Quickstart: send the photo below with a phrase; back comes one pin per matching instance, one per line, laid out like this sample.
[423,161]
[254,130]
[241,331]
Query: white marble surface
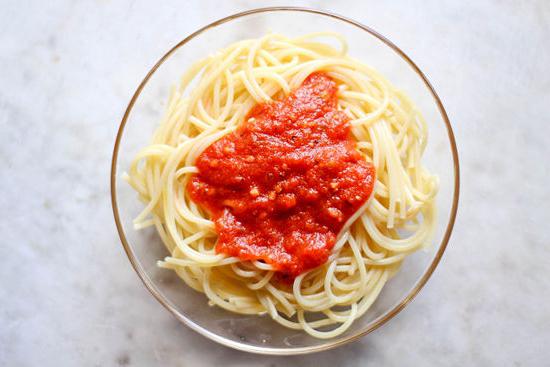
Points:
[68,296]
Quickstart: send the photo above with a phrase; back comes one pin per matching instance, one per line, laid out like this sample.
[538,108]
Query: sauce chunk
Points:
[281,187]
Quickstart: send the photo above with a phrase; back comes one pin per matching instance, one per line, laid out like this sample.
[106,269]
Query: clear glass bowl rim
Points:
[330,343]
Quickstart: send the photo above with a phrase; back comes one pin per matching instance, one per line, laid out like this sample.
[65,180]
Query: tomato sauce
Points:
[281,187]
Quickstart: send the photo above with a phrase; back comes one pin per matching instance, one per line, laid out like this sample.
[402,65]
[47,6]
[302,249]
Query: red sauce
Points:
[281,187]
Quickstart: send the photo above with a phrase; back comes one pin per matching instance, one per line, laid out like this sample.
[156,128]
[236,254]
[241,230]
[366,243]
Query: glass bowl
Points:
[260,334]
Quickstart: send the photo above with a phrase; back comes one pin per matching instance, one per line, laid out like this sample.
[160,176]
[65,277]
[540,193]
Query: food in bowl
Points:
[286,179]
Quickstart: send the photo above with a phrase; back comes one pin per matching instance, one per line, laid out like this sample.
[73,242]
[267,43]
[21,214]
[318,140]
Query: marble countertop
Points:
[68,294]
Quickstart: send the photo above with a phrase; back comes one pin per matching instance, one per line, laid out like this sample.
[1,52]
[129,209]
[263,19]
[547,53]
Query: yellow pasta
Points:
[213,97]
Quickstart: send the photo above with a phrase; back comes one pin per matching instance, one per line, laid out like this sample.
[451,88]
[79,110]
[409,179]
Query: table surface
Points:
[68,294]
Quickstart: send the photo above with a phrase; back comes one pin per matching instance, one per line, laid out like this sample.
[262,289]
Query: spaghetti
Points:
[214,97]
